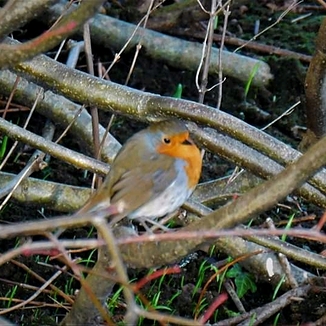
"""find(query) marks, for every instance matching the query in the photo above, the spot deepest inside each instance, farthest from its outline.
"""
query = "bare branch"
(12, 54)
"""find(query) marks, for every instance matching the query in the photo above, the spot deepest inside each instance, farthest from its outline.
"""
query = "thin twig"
(107, 234)
(38, 96)
(12, 93)
(78, 273)
(279, 19)
(227, 13)
(118, 55)
(32, 297)
(204, 64)
(139, 45)
(47, 247)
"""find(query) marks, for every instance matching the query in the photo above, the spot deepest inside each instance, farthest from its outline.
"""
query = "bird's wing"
(143, 183)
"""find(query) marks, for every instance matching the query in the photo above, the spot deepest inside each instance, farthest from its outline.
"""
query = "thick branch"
(16, 14)
(113, 33)
(55, 150)
(61, 111)
(69, 24)
(315, 86)
(127, 101)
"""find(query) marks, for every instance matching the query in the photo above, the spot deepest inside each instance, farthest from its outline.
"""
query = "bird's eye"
(167, 140)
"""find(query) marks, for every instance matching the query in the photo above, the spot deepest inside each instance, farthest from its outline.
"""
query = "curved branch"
(69, 24)
(16, 14)
(55, 150)
(134, 103)
(61, 198)
(61, 111)
(110, 32)
(252, 160)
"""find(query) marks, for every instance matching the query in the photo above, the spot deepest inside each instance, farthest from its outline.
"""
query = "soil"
(156, 77)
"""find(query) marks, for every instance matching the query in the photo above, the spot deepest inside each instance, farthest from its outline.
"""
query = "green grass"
(288, 226)
(251, 77)
(178, 91)
(11, 294)
(277, 288)
(3, 147)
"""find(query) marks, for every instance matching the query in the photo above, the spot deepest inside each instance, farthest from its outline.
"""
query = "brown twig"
(266, 311)
(33, 296)
(205, 60)
(252, 45)
(226, 12)
(10, 100)
(116, 259)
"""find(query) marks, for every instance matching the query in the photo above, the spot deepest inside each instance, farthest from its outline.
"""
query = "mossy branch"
(113, 33)
(15, 14)
(69, 24)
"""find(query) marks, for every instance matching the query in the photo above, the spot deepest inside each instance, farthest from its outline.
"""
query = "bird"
(153, 174)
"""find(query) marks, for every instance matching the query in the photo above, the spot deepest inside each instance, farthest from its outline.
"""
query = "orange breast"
(181, 146)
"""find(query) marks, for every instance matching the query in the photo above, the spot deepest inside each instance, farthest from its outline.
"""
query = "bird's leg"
(157, 224)
(166, 218)
(161, 222)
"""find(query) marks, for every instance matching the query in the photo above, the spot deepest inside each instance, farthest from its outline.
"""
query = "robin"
(153, 174)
